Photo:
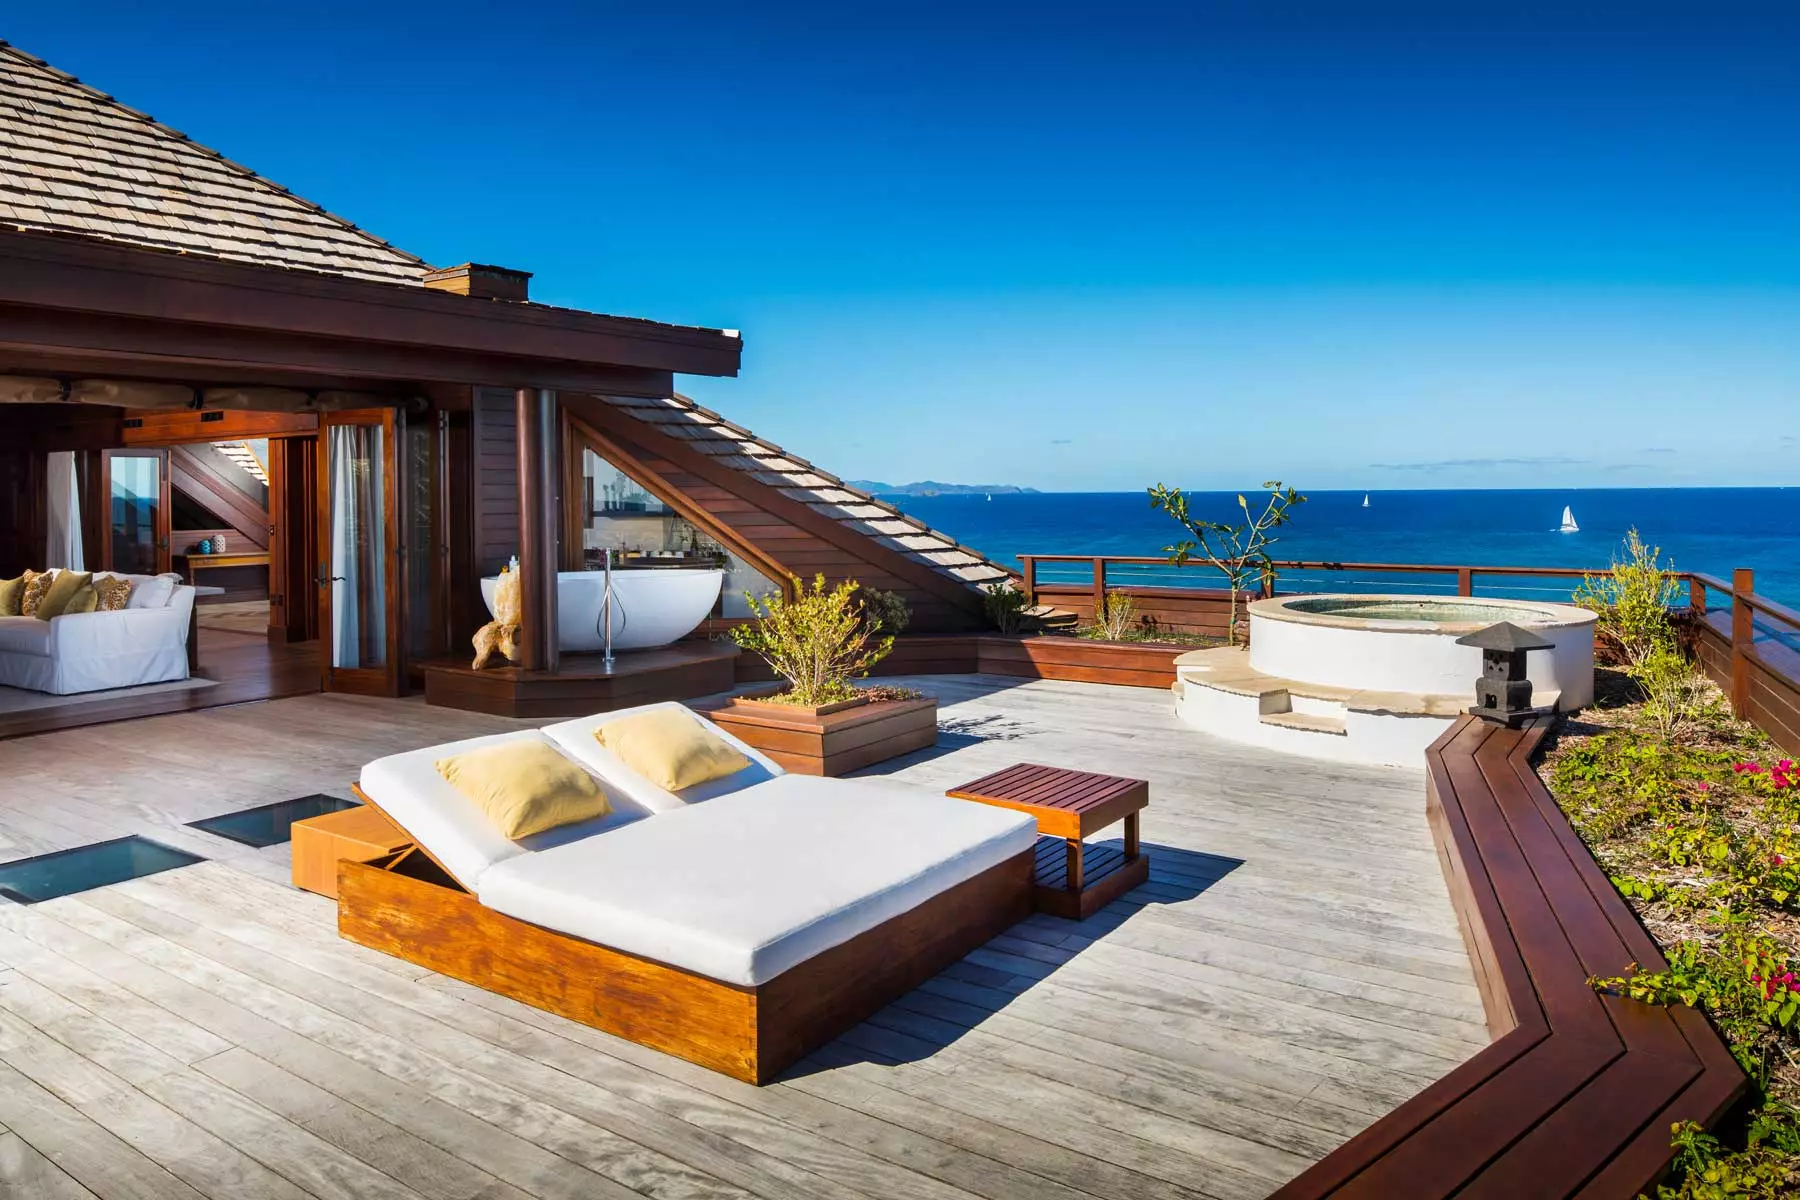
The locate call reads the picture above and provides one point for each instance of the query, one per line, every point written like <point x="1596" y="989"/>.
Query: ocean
<point x="1711" y="530"/>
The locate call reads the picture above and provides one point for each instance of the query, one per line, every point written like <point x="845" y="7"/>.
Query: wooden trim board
<point x="748" y="1033"/>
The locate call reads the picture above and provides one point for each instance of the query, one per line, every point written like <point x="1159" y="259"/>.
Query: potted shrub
<point x="817" y="720"/>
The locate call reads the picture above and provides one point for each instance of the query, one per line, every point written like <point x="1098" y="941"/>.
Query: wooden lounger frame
<point x="749" y="1033"/>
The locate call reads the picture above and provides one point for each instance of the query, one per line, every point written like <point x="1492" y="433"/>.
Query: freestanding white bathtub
<point x="651" y="607"/>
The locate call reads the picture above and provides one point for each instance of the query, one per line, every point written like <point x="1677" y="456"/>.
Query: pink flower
<point x="1786" y="764"/>
<point x="1778" y="779"/>
<point x="1777" y="859"/>
<point x="1705" y="787"/>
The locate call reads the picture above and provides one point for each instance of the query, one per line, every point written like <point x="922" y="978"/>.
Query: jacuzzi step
<point x="1227" y="669"/>
<point x="1306" y="722"/>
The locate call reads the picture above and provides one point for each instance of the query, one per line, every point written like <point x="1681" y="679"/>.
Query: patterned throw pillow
<point x="37" y="584"/>
<point x="114" y="593"/>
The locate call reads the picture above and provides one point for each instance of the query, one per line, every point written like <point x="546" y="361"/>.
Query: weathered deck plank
<point x="1291" y="971"/>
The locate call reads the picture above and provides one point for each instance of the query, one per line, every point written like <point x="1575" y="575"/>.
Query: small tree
<point x="818" y="641"/>
<point x="1117" y="618"/>
<point x="1240" y="552"/>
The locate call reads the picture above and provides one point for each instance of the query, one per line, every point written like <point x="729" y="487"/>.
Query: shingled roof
<point x="74" y="160"/>
<point x="736" y="447"/>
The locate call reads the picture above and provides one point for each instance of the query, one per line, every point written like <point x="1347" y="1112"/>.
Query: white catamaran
<point x="1568" y="522"/>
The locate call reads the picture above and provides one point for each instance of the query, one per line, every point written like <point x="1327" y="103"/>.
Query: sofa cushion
<point x="62" y="590"/>
<point x="576" y="739"/>
<point x="524" y="787"/>
<point x="12" y="591"/>
<point x="450" y="826"/>
<point x="147" y="591"/>
<point x="748" y="885"/>
<point x="24" y="635"/>
<point x="113" y="592"/>
<point x="37" y="583"/>
<point x="85" y="600"/>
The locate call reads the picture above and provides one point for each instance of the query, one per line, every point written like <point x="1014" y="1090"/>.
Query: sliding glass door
<point x="359" y="576"/>
<point x="137" y="513"/>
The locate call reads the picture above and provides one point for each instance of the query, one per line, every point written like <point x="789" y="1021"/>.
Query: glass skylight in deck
<point x="84" y="868"/>
<point x="270" y="824"/>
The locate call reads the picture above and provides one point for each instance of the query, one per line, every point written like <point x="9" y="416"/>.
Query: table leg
<point x="1074" y="865"/>
<point x="1131" y="837"/>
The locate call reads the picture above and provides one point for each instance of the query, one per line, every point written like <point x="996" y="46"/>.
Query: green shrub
<point x="1117" y="618"/>
<point x="888" y="610"/>
<point x="1239" y="552"/>
<point x="1005" y="605"/>
<point x="818" y="640"/>
<point x="1632" y="603"/>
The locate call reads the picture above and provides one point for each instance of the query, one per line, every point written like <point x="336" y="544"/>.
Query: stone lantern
<point x="1503" y="693"/>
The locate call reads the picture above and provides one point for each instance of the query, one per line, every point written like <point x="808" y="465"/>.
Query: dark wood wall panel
<point x="495" y="450"/>
<point x="22" y="517"/>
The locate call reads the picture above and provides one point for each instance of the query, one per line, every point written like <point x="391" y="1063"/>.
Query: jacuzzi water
<point x="1419" y="609"/>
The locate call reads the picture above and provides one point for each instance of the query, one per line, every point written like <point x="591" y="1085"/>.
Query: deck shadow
<point x="965" y="994"/>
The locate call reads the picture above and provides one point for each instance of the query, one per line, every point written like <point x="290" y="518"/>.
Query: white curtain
<point x="63" y="548"/>
<point x="358" y="604"/>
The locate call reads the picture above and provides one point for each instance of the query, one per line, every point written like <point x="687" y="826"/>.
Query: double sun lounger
<point x="739" y="924"/>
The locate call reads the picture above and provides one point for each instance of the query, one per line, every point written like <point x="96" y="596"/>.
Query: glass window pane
<point x="419" y="548"/>
<point x="136" y="494"/>
<point x="623" y="516"/>
<point x="358" y="561"/>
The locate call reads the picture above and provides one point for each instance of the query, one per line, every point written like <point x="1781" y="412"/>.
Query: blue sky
<point x="1351" y="245"/>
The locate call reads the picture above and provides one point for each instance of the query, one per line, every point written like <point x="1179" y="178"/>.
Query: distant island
<point x="931" y="487"/>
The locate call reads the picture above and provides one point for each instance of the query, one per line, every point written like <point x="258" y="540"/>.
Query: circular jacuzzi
<point x="1408" y="644"/>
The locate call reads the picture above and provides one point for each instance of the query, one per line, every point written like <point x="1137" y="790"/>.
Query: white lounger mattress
<point x="748" y="885"/>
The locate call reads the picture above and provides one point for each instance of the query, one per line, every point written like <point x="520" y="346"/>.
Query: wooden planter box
<point x="1082" y="660"/>
<point x="835" y="739"/>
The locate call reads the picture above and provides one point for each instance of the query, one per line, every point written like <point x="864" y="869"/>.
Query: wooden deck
<point x="1292" y="972"/>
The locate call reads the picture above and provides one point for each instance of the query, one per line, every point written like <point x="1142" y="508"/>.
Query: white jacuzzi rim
<point x="1533" y="614"/>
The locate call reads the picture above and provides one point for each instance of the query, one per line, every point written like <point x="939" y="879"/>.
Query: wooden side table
<point x="359" y="834"/>
<point x="1072" y="880"/>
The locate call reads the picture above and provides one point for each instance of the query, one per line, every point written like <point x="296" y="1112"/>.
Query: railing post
<point x="1028" y="579"/>
<point x="1099" y="589"/>
<point x="1696" y="597"/>
<point x="1465" y="581"/>
<point x="1743" y="633"/>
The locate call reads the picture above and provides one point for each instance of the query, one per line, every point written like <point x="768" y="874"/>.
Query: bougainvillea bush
<point x="1697" y="828"/>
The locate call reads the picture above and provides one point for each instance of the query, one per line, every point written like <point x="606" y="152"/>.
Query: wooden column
<point x="1028" y="579"/>
<point x="1465" y="581"/>
<point x="1743" y="633"/>
<point x="1099" y="590"/>
<point x="540" y="475"/>
<point x="1696" y="597"/>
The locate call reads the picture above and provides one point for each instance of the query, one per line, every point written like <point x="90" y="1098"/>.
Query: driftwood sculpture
<point x="502" y="633"/>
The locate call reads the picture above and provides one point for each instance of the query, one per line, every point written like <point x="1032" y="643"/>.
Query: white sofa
<point x="738" y="880"/>
<point x="89" y="652"/>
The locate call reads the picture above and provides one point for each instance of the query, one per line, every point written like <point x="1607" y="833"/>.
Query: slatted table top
<point x="1066" y="803"/>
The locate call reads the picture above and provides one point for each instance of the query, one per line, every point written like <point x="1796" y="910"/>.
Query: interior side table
<point x="1073" y="880"/>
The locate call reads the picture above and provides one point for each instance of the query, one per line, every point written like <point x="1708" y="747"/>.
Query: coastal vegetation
<point x="1238" y="551"/>
<point x="818" y="641"/>
<point x="1005" y="606"/>
<point x="1693" y="815"/>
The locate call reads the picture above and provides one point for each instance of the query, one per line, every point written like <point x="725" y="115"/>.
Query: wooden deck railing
<point x="1747" y="643"/>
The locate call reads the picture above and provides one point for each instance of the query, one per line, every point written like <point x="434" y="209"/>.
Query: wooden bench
<point x="1576" y="1094"/>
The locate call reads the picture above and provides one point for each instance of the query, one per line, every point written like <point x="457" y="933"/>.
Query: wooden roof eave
<point x="53" y="273"/>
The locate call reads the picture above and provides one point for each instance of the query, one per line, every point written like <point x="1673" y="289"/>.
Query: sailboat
<point x="1568" y="522"/>
<point x="1365" y="499"/>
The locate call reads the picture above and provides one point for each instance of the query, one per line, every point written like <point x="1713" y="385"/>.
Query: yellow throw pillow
<point x="36" y="584"/>
<point x="524" y="787"/>
<point x="62" y="590"/>
<point x="113" y="593"/>
<point x="83" y="601"/>
<point x="671" y="748"/>
<point x="12" y="591"/>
